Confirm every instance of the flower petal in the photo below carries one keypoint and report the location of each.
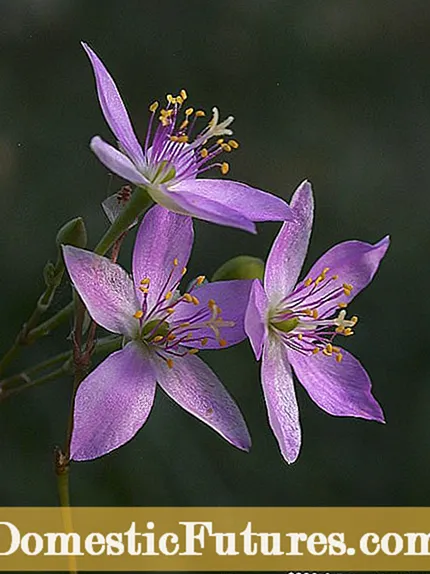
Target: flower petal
(211, 210)
(281, 402)
(105, 288)
(161, 251)
(116, 161)
(289, 250)
(354, 263)
(112, 403)
(113, 108)
(255, 318)
(232, 298)
(196, 388)
(341, 389)
(251, 203)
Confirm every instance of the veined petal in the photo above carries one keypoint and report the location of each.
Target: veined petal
(116, 161)
(289, 250)
(256, 318)
(354, 263)
(105, 288)
(161, 251)
(341, 389)
(232, 298)
(281, 402)
(251, 203)
(196, 388)
(112, 403)
(113, 108)
(211, 210)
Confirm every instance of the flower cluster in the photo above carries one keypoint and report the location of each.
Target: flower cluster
(293, 324)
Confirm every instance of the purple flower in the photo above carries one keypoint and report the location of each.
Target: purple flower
(163, 330)
(171, 159)
(293, 324)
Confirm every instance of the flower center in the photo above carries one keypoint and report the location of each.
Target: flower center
(170, 337)
(173, 153)
(302, 319)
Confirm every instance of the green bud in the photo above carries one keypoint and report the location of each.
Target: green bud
(73, 233)
(49, 273)
(241, 267)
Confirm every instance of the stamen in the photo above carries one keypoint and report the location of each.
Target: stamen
(169, 362)
(138, 314)
(225, 168)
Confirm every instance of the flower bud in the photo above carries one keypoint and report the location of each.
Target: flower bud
(241, 267)
(73, 233)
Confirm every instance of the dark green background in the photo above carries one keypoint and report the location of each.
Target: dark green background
(334, 91)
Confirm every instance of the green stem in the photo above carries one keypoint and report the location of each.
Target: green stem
(105, 345)
(62, 472)
(138, 203)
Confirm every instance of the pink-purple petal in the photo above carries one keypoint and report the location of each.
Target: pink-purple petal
(289, 250)
(196, 388)
(354, 263)
(207, 209)
(105, 288)
(232, 298)
(116, 161)
(280, 396)
(256, 318)
(112, 403)
(113, 108)
(254, 204)
(161, 251)
(340, 389)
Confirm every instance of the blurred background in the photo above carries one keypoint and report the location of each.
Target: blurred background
(334, 91)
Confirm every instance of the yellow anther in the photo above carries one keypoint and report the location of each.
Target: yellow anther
(348, 332)
(184, 94)
(336, 350)
(354, 320)
(183, 139)
(174, 138)
(326, 270)
(339, 330)
(171, 337)
(346, 292)
(347, 286)
(220, 141)
(339, 357)
(318, 280)
(195, 300)
(153, 107)
(184, 270)
(175, 262)
(204, 153)
(144, 289)
(169, 363)
(315, 350)
(315, 314)
(145, 281)
(300, 336)
(157, 338)
(307, 312)
(224, 168)
(188, 298)
(233, 143)
(168, 295)
(189, 111)
(200, 279)
(170, 310)
(184, 124)
(342, 305)
(183, 325)
(335, 277)
(211, 303)
(138, 314)
(193, 351)
(188, 336)
(179, 100)
(204, 341)
(226, 147)
(329, 348)
(222, 342)
(170, 99)
(200, 114)
(309, 282)
(326, 353)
